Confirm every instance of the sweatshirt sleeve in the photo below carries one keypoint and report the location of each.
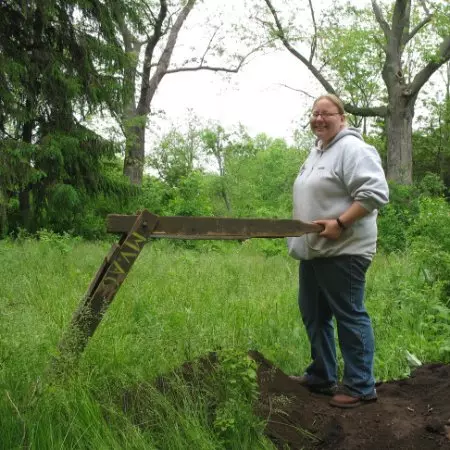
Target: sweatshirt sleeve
(364, 177)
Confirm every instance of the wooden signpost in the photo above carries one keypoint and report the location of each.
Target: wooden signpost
(135, 231)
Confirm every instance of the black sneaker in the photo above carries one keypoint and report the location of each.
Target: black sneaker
(320, 388)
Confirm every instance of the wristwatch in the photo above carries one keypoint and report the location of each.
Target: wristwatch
(341, 225)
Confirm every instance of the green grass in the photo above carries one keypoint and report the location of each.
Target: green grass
(176, 305)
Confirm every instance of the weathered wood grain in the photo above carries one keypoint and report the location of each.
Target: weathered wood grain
(215, 227)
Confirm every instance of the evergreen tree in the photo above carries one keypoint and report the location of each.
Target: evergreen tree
(59, 61)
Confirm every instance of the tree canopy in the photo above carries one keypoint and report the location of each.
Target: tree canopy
(62, 63)
(59, 61)
(350, 49)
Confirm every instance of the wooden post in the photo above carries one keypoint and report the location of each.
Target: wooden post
(103, 288)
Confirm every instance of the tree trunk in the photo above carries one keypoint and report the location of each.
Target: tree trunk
(444, 159)
(135, 154)
(399, 138)
(134, 144)
(24, 195)
(3, 213)
(25, 208)
(226, 200)
(223, 190)
(135, 148)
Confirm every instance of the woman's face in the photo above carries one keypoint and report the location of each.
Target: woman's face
(326, 126)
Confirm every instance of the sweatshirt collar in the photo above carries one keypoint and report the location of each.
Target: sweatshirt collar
(344, 132)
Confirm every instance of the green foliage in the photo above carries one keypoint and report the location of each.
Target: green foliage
(261, 185)
(431, 149)
(413, 212)
(352, 49)
(417, 220)
(174, 157)
(236, 395)
(431, 185)
(431, 221)
(430, 241)
(190, 198)
(15, 169)
(407, 313)
(63, 242)
(73, 174)
(178, 305)
(154, 196)
(76, 157)
(255, 175)
(396, 217)
(59, 62)
(216, 141)
(64, 203)
(54, 57)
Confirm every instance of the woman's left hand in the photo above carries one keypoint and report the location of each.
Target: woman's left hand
(332, 230)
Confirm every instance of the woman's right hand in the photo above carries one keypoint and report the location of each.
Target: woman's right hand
(331, 230)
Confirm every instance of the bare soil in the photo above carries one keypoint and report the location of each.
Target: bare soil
(412, 413)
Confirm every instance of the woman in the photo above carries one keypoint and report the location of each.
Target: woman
(340, 186)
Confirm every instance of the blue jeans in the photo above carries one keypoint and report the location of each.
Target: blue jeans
(335, 286)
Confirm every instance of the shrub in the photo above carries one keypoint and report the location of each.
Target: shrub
(396, 217)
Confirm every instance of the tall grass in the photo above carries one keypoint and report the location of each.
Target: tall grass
(175, 305)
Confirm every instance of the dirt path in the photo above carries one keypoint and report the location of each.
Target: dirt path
(410, 414)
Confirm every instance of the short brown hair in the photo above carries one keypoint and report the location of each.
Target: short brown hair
(333, 99)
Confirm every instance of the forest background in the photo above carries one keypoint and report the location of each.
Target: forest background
(66, 66)
(81, 137)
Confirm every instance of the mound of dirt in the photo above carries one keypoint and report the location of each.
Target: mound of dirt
(413, 413)
(410, 414)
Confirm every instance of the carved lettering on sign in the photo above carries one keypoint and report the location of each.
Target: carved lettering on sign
(116, 268)
(110, 281)
(139, 238)
(119, 267)
(126, 255)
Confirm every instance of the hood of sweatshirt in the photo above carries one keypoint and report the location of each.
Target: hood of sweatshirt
(349, 131)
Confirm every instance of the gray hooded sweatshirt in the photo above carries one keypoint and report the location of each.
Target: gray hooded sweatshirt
(329, 181)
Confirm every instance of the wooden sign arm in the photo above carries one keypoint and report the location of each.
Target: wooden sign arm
(136, 229)
(180, 227)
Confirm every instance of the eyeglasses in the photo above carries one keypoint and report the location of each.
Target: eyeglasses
(325, 115)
